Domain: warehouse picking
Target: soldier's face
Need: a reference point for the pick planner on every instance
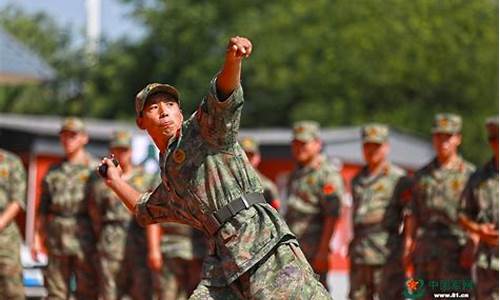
(122, 154)
(254, 158)
(304, 152)
(375, 153)
(161, 117)
(72, 141)
(446, 144)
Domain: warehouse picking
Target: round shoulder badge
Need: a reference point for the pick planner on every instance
(179, 156)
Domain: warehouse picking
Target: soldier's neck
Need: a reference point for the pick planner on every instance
(79, 157)
(447, 162)
(377, 167)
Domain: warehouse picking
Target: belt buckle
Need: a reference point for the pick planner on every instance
(245, 202)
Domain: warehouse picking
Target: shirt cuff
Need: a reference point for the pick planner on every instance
(141, 211)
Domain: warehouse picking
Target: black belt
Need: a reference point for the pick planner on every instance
(223, 214)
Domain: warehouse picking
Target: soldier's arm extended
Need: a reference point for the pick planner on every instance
(17, 193)
(153, 234)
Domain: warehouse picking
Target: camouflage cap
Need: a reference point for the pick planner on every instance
(249, 144)
(72, 124)
(121, 139)
(305, 131)
(447, 123)
(152, 88)
(375, 133)
(492, 127)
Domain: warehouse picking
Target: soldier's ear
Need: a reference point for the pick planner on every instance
(140, 122)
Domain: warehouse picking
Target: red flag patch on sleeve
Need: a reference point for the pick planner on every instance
(328, 189)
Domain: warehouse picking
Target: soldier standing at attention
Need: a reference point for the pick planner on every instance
(434, 241)
(121, 242)
(63, 222)
(207, 183)
(251, 148)
(479, 216)
(175, 254)
(372, 193)
(12, 201)
(315, 191)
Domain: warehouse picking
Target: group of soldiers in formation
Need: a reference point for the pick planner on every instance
(433, 225)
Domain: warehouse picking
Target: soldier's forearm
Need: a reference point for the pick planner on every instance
(127, 194)
(468, 225)
(153, 234)
(229, 78)
(9, 214)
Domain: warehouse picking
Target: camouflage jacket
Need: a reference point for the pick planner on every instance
(313, 194)
(114, 221)
(270, 190)
(436, 201)
(480, 204)
(372, 196)
(203, 170)
(68, 228)
(12, 189)
(182, 241)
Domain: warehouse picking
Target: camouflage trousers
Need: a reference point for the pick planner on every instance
(11, 281)
(487, 284)
(58, 276)
(441, 269)
(284, 274)
(393, 279)
(178, 278)
(366, 282)
(121, 277)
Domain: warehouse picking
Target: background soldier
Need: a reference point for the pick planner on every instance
(121, 241)
(208, 183)
(251, 148)
(64, 221)
(12, 200)
(433, 239)
(480, 217)
(372, 193)
(176, 253)
(315, 192)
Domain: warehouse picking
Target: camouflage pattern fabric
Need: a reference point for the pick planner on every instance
(70, 239)
(435, 205)
(370, 248)
(313, 194)
(12, 190)
(283, 274)
(270, 190)
(183, 249)
(202, 171)
(121, 241)
(480, 204)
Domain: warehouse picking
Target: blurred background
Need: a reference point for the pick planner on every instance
(343, 63)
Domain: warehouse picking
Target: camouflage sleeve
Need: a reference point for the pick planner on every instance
(45, 198)
(17, 182)
(332, 191)
(220, 120)
(400, 199)
(157, 206)
(468, 204)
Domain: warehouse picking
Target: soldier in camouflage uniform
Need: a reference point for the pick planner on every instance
(12, 201)
(251, 148)
(434, 242)
(64, 221)
(208, 183)
(479, 216)
(315, 191)
(372, 193)
(181, 251)
(121, 242)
